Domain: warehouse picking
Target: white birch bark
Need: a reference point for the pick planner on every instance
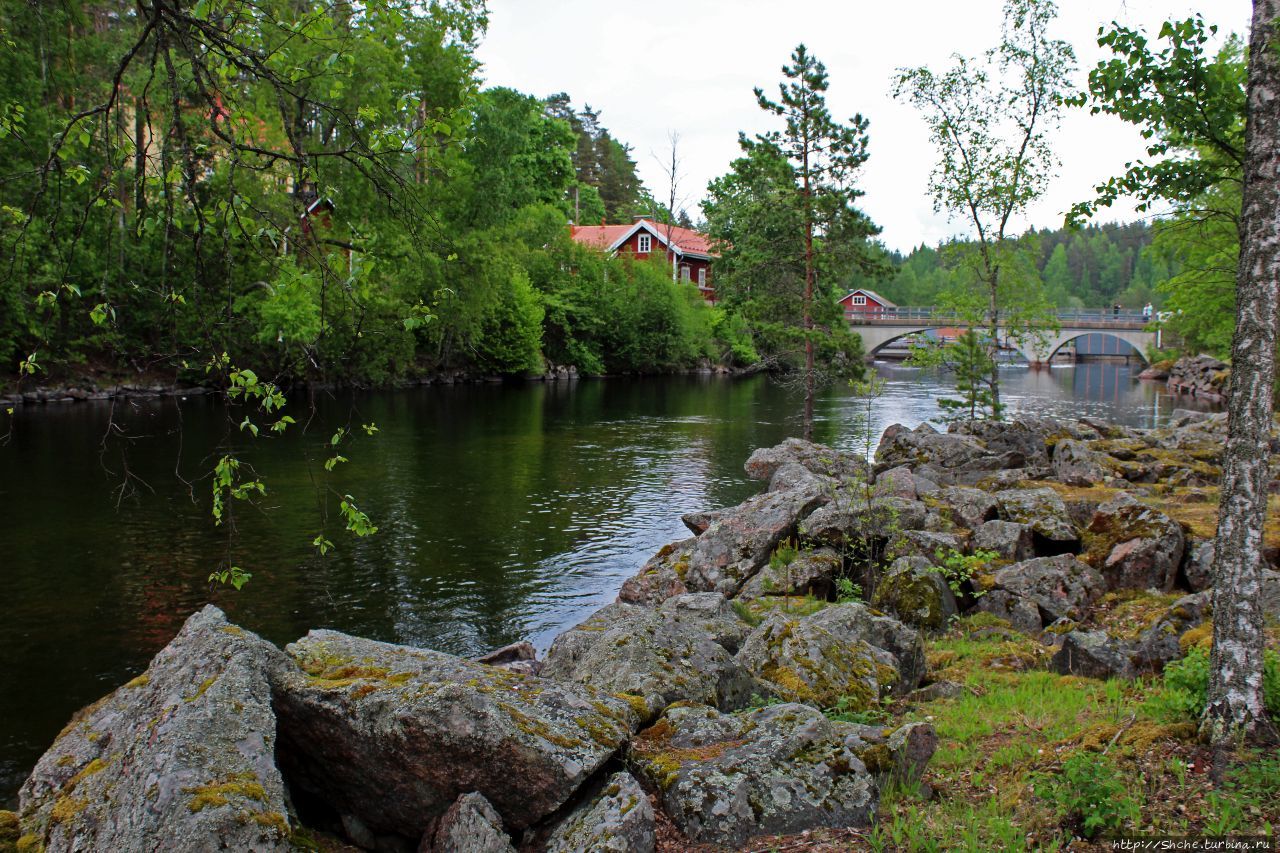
(1235, 709)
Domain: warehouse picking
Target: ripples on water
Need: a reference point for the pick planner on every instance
(505, 513)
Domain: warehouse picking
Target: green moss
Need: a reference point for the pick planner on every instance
(215, 794)
(1140, 736)
(97, 765)
(65, 809)
(878, 758)
(273, 820)
(141, 681)
(662, 762)
(9, 831)
(1200, 636)
(604, 733)
(537, 728)
(338, 673)
(915, 598)
(30, 843)
(204, 685)
(1125, 614)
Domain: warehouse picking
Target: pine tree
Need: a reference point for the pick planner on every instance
(970, 360)
(825, 154)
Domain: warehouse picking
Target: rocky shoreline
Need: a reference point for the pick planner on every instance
(86, 390)
(1200, 376)
(715, 698)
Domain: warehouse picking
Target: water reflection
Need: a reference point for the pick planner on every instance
(504, 513)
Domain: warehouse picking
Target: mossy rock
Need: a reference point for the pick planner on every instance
(915, 591)
(774, 771)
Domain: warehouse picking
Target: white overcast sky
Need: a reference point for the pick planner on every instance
(690, 67)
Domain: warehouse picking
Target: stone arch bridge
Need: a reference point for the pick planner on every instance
(882, 326)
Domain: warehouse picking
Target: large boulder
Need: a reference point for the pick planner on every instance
(967, 507)
(914, 590)
(394, 735)
(181, 757)
(896, 483)
(1021, 613)
(699, 521)
(679, 652)
(817, 458)
(1040, 509)
(1076, 465)
(469, 826)
(811, 573)
(517, 657)
(1008, 540)
(739, 543)
(1018, 443)
(893, 754)
(931, 545)
(1159, 644)
(1092, 654)
(661, 577)
(1134, 545)
(843, 652)
(1059, 587)
(618, 819)
(926, 446)
(793, 475)
(777, 770)
(850, 518)
(1197, 565)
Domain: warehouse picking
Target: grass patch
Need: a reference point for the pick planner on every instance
(1024, 752)
(757, 610)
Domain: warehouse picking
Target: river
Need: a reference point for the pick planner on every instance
(505, 512)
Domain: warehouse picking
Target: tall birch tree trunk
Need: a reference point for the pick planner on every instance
(1235, 709)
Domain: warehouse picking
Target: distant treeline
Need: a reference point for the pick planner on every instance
(1088, 267)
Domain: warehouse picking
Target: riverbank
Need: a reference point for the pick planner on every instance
(144, 388)
(738, 685)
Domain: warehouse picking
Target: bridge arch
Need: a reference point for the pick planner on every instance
(876, 338)
(880, 328)
(1137, 340)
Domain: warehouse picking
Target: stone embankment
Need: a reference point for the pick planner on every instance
(714, 699)
(1199, 376)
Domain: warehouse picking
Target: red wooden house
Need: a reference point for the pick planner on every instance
(863, 301)
(688, 251)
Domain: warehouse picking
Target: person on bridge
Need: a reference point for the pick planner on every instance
(1115, 309)
(1146, 312)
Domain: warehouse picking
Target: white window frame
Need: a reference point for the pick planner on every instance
(859, 300)
(644, 245)
(702, 277)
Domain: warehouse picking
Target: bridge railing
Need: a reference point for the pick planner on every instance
(932, 316)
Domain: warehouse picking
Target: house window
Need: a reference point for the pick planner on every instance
(684, 272)
(644, 244)
(859, 300)
(702, 277)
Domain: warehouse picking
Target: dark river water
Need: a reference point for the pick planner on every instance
(505, 512)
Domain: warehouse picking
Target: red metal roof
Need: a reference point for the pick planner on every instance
(607, 237)
(599, 236)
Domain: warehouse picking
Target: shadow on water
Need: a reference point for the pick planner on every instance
(505, 512)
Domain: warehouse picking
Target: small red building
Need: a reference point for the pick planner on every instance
(688, 251)
(863, 301)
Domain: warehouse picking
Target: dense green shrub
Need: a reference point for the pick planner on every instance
(1090, 791)
(1185, 688)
